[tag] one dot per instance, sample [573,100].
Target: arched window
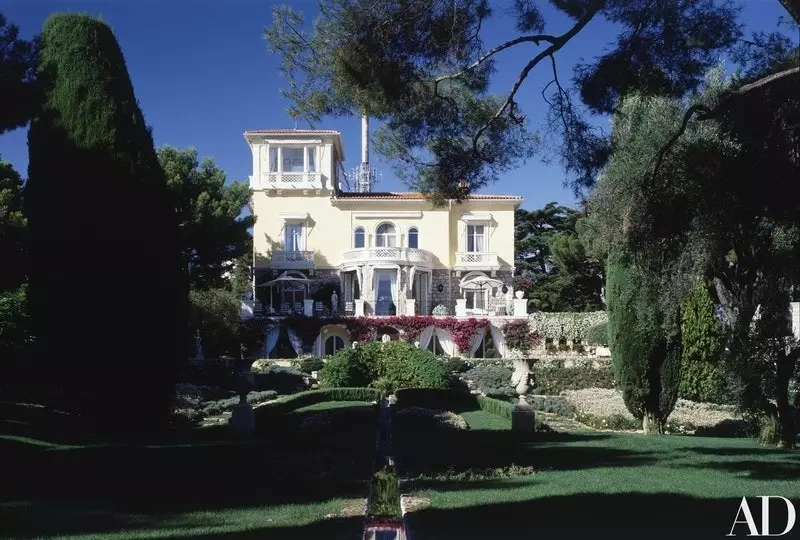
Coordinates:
[358,238]
[413,237]
[386,236]
[333,344]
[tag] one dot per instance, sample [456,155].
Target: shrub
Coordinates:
[440,311]
[386,366]
[417,368]
[348,368]
[496,406]
[312,363]
[563,347]
[491,380]
[216,313]
[559,405]
[701,377]
[554,379]
[456,365]
[283,380]
[598,335]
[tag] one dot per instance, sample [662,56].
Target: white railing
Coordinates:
[476,259]
[289,180]
[397,254]
[292,259]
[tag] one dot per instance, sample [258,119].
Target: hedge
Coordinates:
[290,403]
[554,379]
[452,401]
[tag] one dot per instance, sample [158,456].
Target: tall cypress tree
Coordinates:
[108,295]
[645,357]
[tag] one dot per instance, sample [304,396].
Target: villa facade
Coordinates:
[321,250]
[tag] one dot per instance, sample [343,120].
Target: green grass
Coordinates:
[485,420]
[587,484]
[331,405]
[276,484]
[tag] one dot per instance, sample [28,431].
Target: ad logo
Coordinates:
[747,519]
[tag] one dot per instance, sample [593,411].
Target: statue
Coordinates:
[334,302]
[385,338]
[510,301]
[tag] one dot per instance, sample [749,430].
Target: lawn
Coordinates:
[587,484]
[281,483]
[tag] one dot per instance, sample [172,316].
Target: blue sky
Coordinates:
[203,75]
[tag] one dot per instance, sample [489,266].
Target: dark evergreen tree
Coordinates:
[645,354]
[108,294]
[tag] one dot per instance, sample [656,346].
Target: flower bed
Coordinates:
[431,418]
[604,408]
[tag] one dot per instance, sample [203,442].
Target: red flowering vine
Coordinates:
[518,335]
[364,328]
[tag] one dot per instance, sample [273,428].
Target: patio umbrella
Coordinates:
[479,283]
[284,278]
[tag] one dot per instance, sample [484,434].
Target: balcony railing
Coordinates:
[398,255]
[476,259]
[292,259]
[299,180]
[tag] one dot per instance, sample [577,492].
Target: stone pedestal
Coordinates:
[461,307]
[411,307]
[243,420]
[308,308]
[359,305]
[520,307]
[523,417]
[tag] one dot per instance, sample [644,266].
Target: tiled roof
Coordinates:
[417,195]
[288,131]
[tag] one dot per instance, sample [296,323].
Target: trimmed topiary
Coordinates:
[96,198]
[598,335]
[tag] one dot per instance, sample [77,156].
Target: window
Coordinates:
[358,238]
[312,161]
[476,300]
[476,238]
[292,159]
[386,236]
[413,238]
[293,237]
[333,344]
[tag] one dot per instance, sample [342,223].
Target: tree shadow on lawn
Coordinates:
[628,515]
[758,470]
[102,488]
[433,452]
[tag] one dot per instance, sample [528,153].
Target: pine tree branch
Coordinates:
[536,39]
[555,45]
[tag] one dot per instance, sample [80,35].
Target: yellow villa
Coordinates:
[321,250]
